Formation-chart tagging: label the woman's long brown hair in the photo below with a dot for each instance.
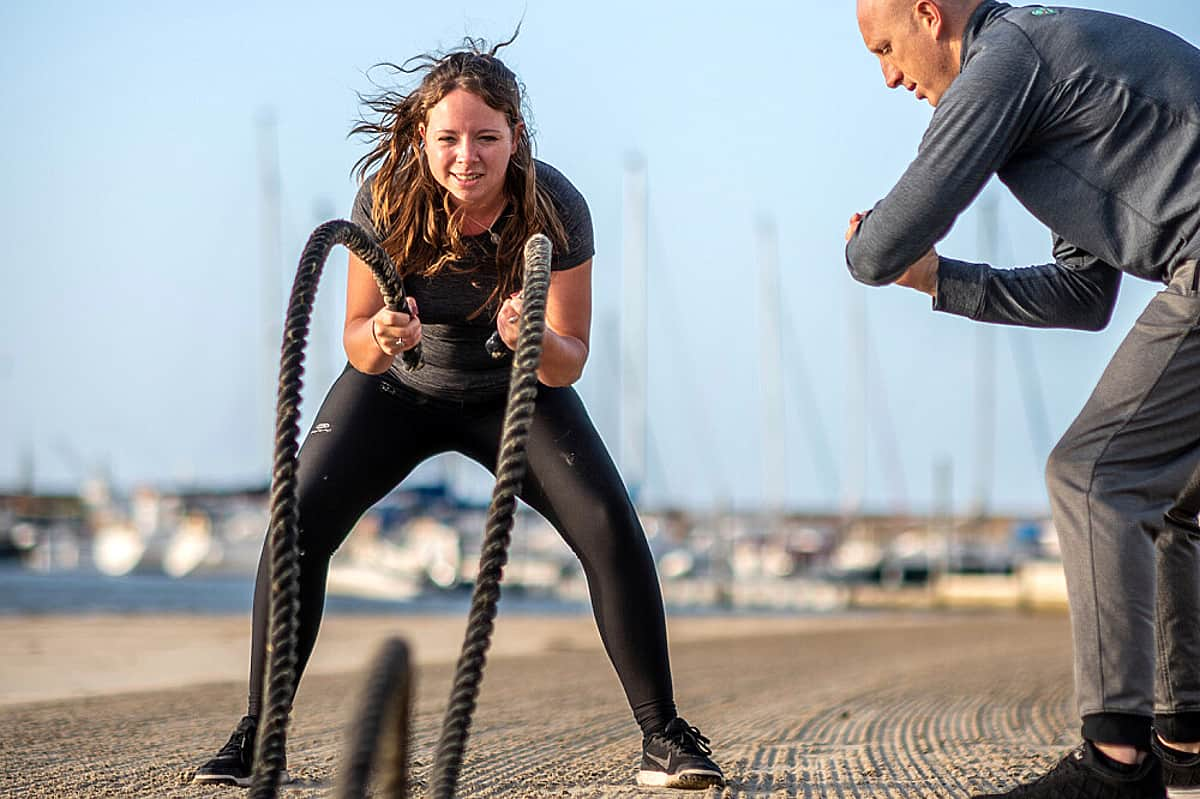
(420, 228)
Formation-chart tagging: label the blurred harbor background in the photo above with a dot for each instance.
(794, 441)
(417, 551)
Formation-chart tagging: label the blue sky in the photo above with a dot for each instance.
(132, 324)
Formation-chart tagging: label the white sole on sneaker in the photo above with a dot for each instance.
(694, 779)
(1183, 793)
(241, 782)
(221, 779)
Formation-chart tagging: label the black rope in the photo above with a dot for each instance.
(510, 471)
(388, 692)
(380, 727)
(279, 684)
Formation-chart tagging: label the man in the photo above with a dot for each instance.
(1093, 122)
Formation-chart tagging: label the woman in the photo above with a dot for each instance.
(452, 191)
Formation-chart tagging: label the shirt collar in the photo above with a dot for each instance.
(979, 20)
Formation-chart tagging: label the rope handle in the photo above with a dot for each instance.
(496, 347)
(411, 358)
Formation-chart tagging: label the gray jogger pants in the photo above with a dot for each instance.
(1133, 573)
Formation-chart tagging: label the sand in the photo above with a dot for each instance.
(872, 705)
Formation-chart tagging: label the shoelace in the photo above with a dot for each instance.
(236, 743)
(690, 739)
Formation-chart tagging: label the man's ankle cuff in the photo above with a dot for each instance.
(1125, 729)
(1178, 727)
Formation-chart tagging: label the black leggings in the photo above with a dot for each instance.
(370, 434)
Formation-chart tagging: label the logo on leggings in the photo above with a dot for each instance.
(323, 427)
(1042, 11)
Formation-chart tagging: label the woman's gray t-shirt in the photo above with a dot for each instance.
(457, 366)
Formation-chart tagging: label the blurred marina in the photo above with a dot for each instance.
(197, 551)
(419, 546)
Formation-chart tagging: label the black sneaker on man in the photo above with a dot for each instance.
(1085, 773)
(1181, 770)
(678, 757)
(234, 763)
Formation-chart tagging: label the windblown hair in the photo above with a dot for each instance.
(420, 228)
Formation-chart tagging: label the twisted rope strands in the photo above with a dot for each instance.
(270, 747)
(386, 699)
(510, 471)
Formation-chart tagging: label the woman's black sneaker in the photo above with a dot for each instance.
(1181, 771)
(678, 757)
(1084, 774)
(234, 764)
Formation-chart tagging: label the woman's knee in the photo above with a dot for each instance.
(322, 525)
(605, 532)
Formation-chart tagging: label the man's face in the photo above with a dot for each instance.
(908, 37)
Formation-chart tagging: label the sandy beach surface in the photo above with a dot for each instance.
(863, 705)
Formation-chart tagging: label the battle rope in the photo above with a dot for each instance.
(380, 728)
(269, 750)
(388, 693)
(510, 471)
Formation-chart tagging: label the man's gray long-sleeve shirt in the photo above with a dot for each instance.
(1092, 120)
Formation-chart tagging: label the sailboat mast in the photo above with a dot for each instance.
(633, 328)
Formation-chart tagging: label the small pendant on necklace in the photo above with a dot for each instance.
(495, 239)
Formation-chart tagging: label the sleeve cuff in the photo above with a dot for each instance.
(961, 287)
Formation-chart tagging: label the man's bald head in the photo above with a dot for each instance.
(874, 10)
(953, 6)
(918, 42)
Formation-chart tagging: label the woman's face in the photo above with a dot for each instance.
(468, 144)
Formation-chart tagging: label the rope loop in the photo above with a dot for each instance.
(389, 687)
